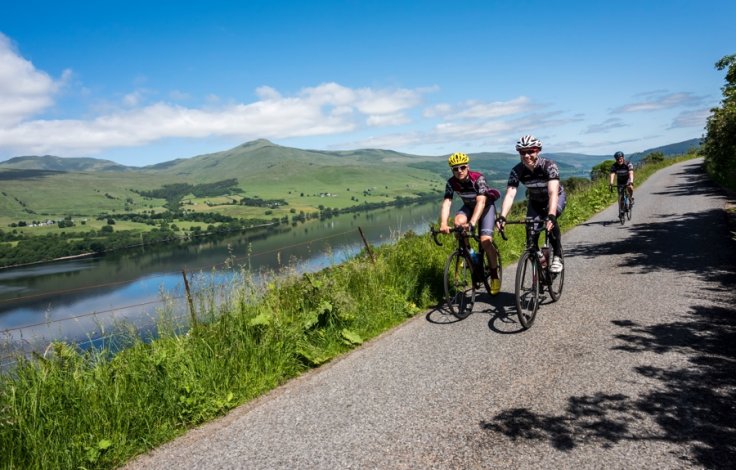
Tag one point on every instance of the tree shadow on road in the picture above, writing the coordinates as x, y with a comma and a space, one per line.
682, 243
691, 406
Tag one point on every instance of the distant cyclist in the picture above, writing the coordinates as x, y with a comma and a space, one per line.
546, 197
478, 209
623, 171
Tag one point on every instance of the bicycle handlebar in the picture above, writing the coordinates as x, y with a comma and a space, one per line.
529, 221
459, 229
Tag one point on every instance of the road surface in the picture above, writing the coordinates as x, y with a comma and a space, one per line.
634, 367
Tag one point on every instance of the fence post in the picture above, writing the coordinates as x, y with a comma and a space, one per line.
367, 247
189, 299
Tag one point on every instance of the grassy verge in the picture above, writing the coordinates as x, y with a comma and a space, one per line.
77, 409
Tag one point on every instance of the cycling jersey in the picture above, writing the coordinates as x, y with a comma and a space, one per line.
536, 180
622, 171
471, 187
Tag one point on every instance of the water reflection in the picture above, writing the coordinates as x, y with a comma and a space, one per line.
76, 300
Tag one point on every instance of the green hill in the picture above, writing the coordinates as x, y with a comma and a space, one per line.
35, 188
50, 162
678, 148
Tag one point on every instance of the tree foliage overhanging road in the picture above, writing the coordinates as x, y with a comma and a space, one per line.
719, 143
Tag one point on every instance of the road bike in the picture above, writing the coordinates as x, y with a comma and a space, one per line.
624, 203
533, 273
465, 271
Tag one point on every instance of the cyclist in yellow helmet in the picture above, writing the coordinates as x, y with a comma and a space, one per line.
478, 209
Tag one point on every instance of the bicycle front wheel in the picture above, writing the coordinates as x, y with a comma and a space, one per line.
459, 286
527, 289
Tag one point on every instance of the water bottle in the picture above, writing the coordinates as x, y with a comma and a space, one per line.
474, 257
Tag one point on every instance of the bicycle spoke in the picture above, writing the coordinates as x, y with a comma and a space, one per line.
557, 281
459, 287
527, 290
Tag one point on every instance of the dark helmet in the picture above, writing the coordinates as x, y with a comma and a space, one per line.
618, 155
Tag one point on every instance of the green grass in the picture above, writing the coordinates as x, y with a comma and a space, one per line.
93, 409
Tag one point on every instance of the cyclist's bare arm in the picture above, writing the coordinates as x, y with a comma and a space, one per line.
444, 215
508, 200
553, 190
480, 204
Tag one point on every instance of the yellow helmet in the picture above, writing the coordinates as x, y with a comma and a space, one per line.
458, 158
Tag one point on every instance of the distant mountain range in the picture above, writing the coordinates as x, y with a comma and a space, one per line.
53, 187
266, 154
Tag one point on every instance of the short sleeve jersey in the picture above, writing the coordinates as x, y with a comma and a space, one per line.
535, 180
469, 188
622, 171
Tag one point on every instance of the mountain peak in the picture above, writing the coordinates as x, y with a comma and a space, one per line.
257, 144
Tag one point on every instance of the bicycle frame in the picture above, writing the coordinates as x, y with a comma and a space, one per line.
624, 203
463, 275
531, 276
463, 248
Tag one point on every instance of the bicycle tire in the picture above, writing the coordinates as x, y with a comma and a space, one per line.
487, 271
628, 208
527, 289
459, 285
556, 280
621, 209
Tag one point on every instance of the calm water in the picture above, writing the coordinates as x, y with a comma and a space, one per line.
82, 299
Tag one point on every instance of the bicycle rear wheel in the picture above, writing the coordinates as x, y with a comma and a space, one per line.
557, 281
459, 286
527, 289
628, 208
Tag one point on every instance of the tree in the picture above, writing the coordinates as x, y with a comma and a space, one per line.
654, 157
719, 143
601, 170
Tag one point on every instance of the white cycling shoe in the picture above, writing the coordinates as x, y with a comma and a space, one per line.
556, 266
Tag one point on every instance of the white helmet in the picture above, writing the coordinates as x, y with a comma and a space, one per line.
528, 142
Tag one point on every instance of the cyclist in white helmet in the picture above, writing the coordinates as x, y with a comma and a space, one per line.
546, 198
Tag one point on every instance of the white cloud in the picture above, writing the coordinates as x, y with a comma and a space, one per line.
697, 118
658, 100
178, 95
605, 126
382, 120
329, 108
24, 91
473, 109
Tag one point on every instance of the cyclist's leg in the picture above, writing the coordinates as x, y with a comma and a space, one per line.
621, 187
463, 215
555, 236
487, 222
537, 212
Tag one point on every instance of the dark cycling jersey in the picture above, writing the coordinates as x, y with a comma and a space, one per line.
536, 180
622, 171
471, 187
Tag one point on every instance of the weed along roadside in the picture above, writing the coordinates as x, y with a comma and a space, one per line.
92, 409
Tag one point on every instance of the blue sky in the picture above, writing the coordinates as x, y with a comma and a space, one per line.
144, 82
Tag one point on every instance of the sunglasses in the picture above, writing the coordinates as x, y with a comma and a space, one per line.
460, 168
528, 152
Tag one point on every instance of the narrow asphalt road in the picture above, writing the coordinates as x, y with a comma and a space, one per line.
634, 367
